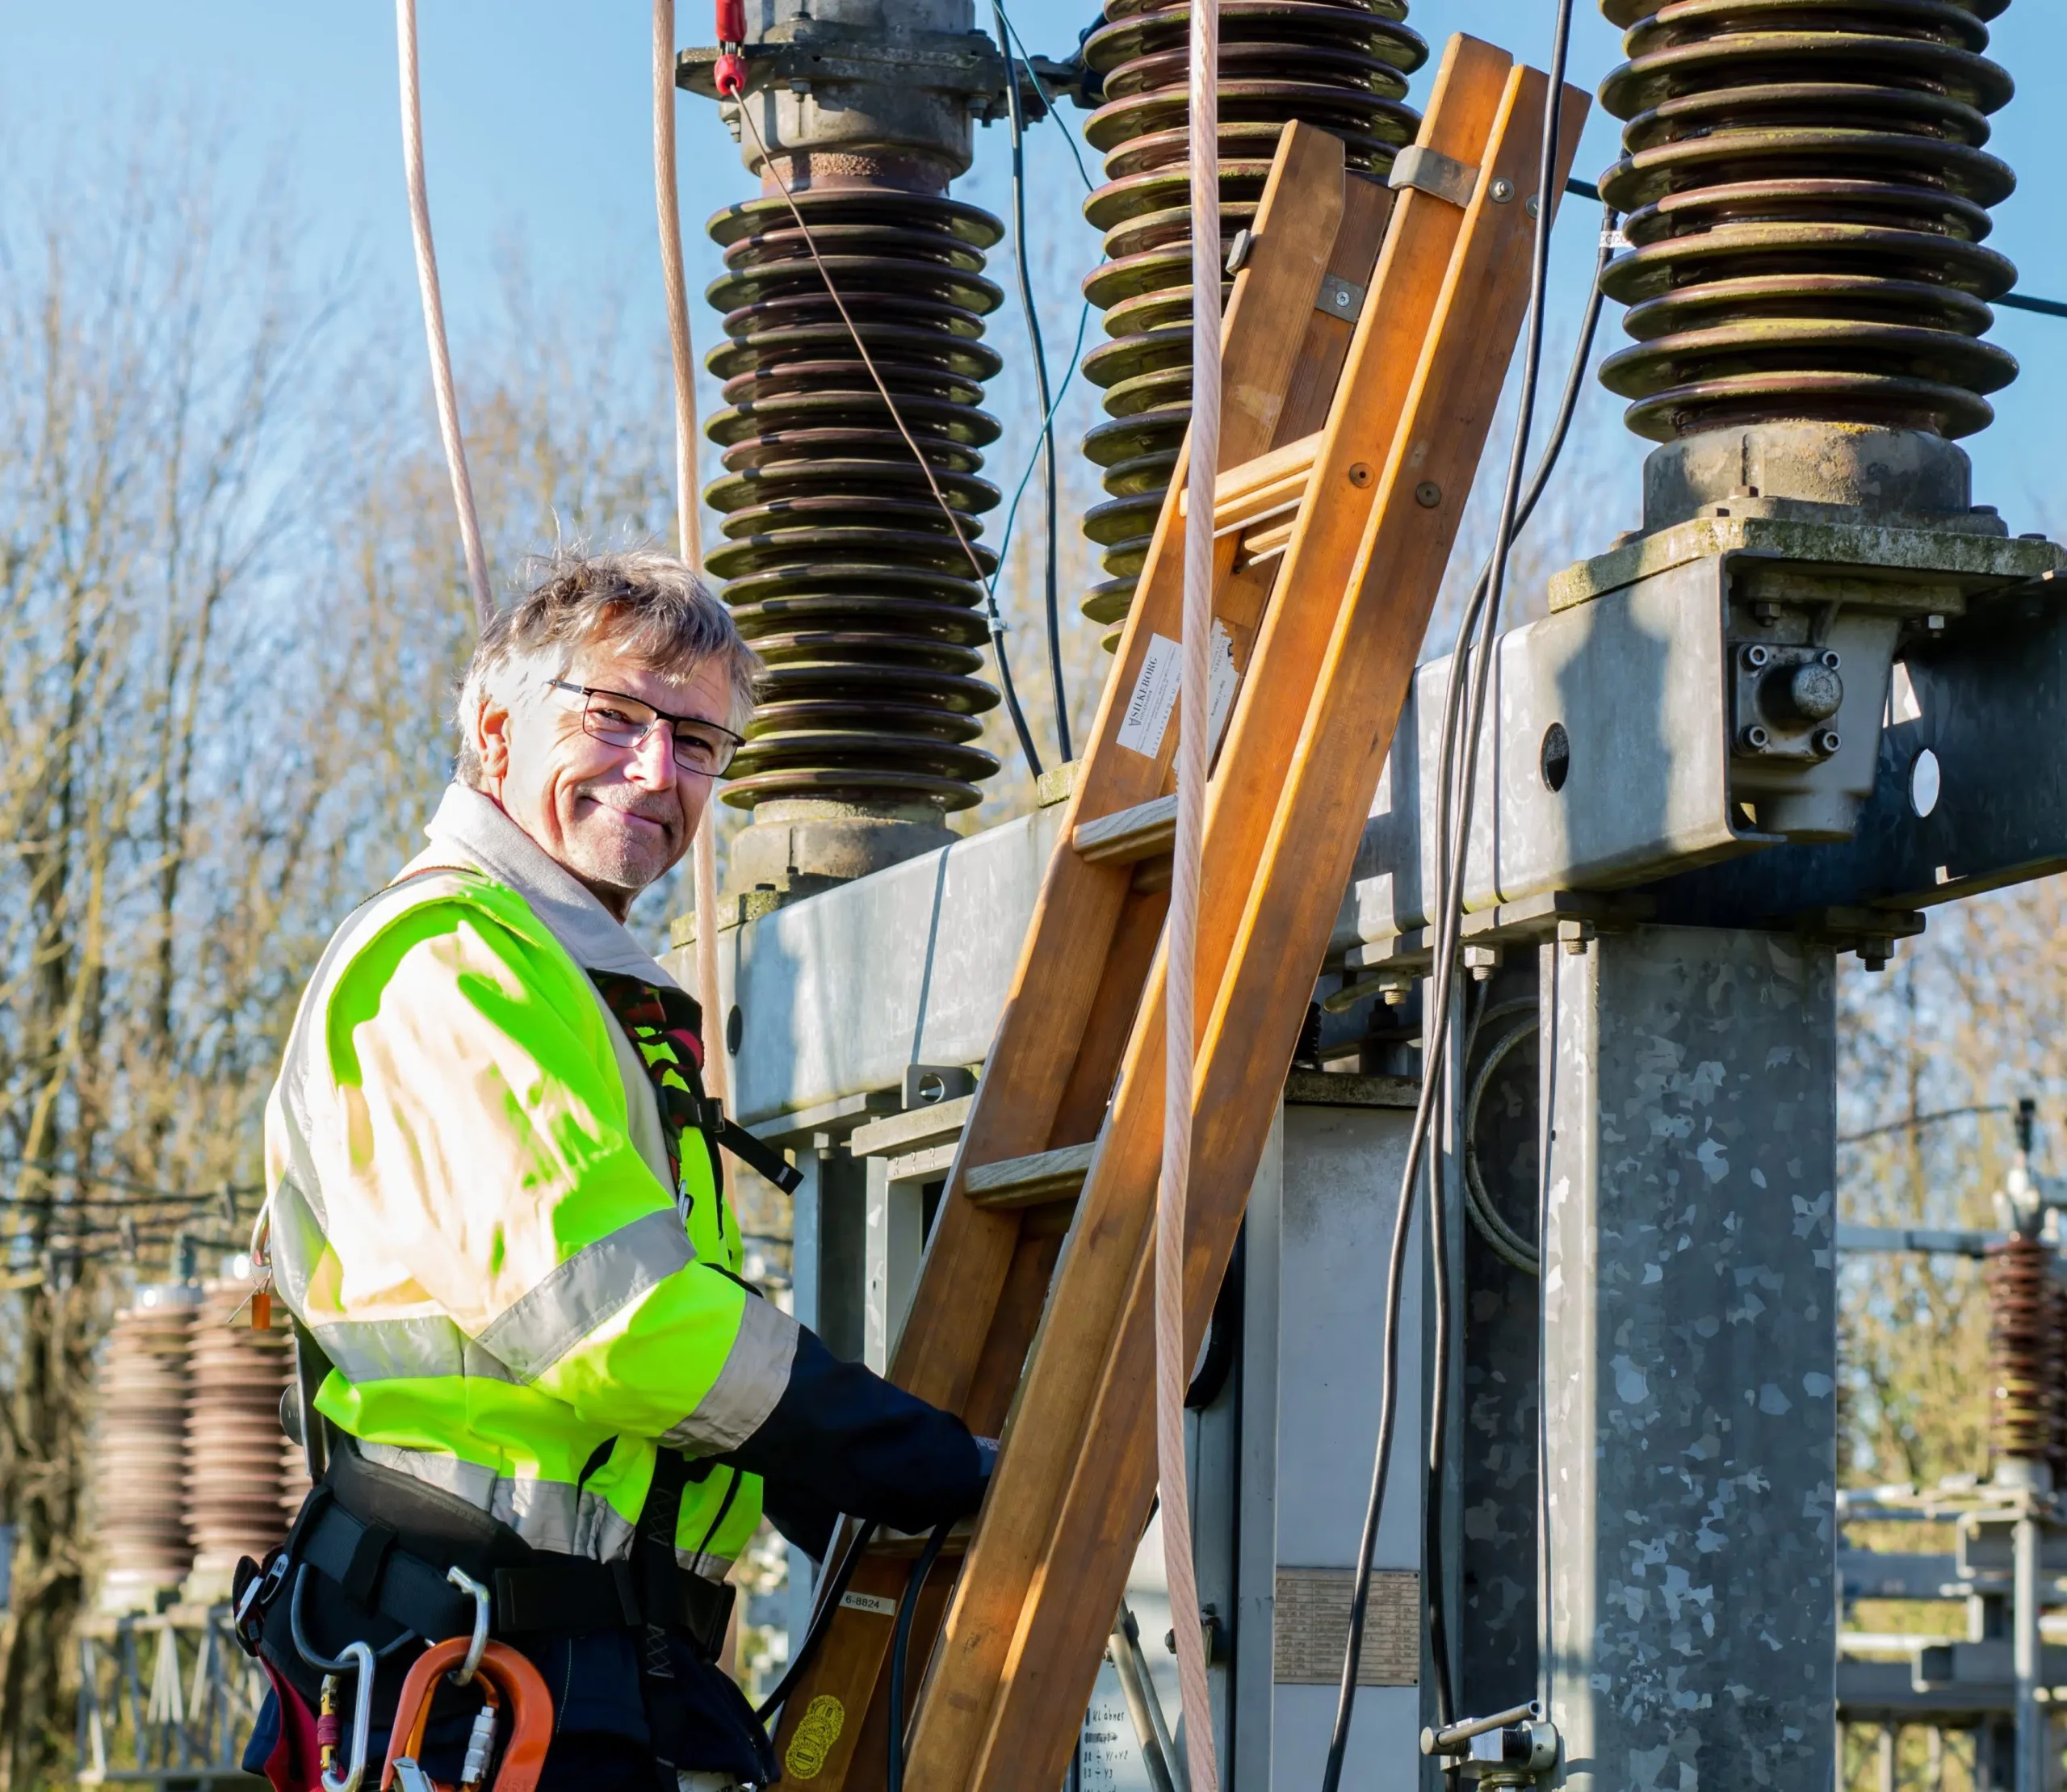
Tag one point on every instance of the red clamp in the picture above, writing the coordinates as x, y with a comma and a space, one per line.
730, 73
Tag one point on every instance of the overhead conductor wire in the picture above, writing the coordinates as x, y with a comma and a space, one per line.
1026, 746
433, 317
1050, 598
1471, 662
688, 528
1172, 1361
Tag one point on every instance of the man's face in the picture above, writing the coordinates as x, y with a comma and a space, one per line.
617, 818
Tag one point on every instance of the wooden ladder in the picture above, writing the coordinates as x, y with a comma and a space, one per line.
1366, 345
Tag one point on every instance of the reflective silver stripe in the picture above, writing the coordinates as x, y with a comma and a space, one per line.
296, 1244
407, 1350
755, 1372
590, 1288
548, 1515
712, 1567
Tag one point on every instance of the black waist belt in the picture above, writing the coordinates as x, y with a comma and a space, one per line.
397, 1575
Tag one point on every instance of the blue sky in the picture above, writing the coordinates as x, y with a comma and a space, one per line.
537, 133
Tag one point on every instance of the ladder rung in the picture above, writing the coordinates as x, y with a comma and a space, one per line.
1266, 486
1127, 836
1030, 1181
1260, 544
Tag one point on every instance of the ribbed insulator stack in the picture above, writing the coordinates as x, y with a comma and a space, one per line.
1338, 64
232, 1453
2057, 1287
2025, 1350
141, 1448
840, 568
1807, 195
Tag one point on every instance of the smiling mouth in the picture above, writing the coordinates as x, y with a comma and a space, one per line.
629, 815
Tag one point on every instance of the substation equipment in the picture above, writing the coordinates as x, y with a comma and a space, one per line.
1814, 695
191, 1471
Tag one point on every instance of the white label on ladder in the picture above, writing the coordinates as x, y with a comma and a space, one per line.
868, 1602
1222, 682
1154, 698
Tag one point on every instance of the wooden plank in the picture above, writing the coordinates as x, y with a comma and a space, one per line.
987, 1681
1028, 1181
1091, 937
1136, 833
1281, 925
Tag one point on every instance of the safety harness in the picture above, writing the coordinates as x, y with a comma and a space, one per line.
412, 1561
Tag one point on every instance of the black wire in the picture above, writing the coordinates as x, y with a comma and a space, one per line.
1916, 1122
820, 1619
1435, 1008
1028, 750
1051, 594
900, 1648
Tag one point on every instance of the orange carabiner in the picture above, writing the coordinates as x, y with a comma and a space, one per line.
511, 1681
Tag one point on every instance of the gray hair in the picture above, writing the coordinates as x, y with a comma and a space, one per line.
643, 603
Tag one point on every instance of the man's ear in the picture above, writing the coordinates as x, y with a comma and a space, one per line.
490, 727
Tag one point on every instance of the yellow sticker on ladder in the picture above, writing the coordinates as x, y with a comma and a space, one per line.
811, 1746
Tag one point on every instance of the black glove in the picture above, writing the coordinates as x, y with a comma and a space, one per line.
843, 1439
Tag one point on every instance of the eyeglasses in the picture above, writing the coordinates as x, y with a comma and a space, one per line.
618, 720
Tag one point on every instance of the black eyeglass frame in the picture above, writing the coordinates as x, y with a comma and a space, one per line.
733, 742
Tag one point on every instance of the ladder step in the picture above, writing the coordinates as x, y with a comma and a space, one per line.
1259, 545
1030, 1181
1127, 836
1268, 486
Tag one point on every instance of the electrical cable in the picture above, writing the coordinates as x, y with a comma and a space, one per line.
689, 530
1173, 1364
1916, 1122
1051, 594
1047, 98
1486, 1219
925, 467
835, 1589
900, 1648
433, 317
1436, 1000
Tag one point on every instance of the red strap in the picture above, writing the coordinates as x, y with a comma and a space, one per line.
292, 1766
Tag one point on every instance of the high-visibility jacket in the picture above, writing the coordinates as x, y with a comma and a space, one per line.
471, 1210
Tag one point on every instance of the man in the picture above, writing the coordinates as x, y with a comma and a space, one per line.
495, 1209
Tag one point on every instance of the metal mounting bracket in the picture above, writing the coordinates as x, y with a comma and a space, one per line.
1431, 171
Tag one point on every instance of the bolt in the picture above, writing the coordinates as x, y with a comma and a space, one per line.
1237, 251
1502, 191
1935, 624
1572, 935
1755, 656
1428, 494
1532, 208
1359, 475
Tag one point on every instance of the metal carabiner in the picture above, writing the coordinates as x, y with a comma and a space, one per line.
483, 1606
522, 1691
359, 1657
